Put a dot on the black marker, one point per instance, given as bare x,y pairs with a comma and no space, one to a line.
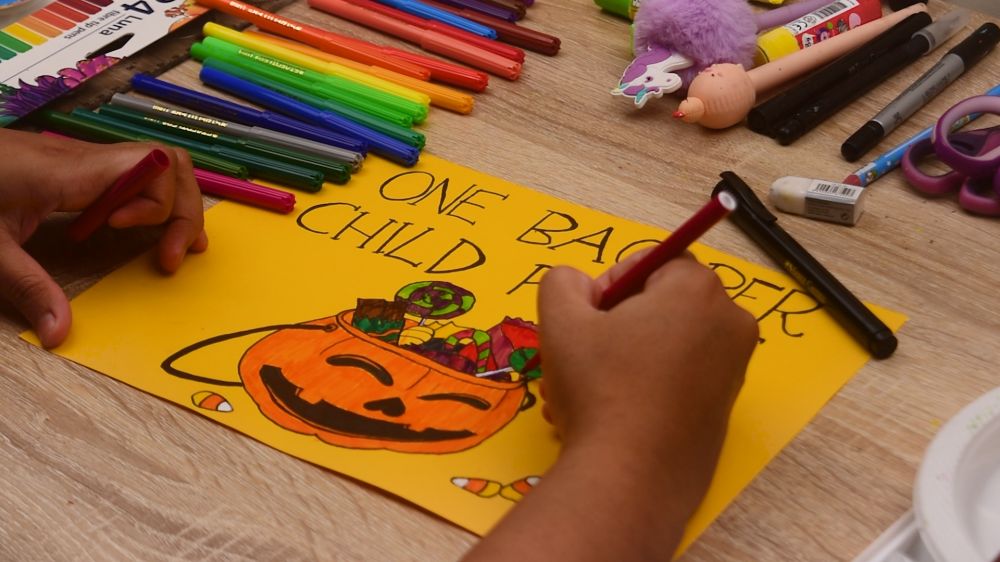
766,117
959,59
922,42
762,227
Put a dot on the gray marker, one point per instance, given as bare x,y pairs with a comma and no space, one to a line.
952,65
174,113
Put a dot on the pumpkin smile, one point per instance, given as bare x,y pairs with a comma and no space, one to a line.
328,417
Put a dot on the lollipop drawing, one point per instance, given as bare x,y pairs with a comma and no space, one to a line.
345,379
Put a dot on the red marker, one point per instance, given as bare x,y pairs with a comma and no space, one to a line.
673,246
429,40
126,187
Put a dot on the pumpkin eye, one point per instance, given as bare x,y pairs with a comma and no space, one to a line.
363,363
467,399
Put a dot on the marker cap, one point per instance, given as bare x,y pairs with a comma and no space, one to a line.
863,140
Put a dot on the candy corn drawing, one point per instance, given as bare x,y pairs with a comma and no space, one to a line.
488,488
211,401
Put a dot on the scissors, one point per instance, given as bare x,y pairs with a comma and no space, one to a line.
973,156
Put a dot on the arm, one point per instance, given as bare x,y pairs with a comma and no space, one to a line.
41,175
640,396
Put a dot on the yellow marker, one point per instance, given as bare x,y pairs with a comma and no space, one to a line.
24,34
441,96
479,486
312,63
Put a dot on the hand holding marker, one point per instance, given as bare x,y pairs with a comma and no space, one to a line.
721,204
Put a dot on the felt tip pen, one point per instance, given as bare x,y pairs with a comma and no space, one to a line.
330,42
348,92
357,72
952,65
440,96
73,126
506,13
124,189
765,118
508,32
873,74
425,11
248,61
224,109
762,227
261,167
181,115
226,187
484,43
634,279
427,39
243,191
380,144
413,138
336,172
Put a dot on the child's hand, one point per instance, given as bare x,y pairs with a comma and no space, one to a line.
659,370
40,175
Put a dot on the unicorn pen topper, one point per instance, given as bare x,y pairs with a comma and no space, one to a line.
677,39
723,94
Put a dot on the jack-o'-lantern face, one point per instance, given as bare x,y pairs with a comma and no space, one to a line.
328,379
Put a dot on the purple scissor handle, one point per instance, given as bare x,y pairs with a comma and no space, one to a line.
973,156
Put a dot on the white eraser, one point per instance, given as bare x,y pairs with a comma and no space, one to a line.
818,199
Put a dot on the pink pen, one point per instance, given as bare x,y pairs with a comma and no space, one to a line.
243,191
218,185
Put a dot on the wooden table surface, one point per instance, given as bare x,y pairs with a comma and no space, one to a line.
94,469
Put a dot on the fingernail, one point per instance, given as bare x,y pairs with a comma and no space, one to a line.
46,329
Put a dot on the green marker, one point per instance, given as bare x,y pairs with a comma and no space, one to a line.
261,167
336,172
99,132
358,96
623,8
280,83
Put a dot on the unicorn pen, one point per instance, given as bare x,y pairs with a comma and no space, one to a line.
677,39
723,94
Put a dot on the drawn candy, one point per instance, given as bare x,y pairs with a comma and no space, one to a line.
435,299
478,486
518,488
380,318
211,401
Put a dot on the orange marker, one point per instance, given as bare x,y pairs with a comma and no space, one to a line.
328,41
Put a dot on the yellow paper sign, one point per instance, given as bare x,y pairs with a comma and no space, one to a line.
376,331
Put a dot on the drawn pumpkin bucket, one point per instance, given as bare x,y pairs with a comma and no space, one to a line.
329,379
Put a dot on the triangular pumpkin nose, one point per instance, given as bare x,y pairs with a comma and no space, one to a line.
393,407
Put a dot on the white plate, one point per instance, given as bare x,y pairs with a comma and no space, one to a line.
956,499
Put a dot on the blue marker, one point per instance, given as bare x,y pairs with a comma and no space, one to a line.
230,111
888,161
378,143
418,8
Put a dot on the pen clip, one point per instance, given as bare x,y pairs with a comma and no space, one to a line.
748,200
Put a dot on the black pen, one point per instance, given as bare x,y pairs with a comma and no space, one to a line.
816,111
766,117
953,64
762,227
